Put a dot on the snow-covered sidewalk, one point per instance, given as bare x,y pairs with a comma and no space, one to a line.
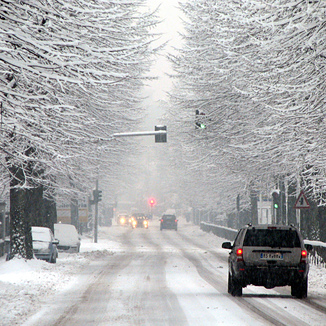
24,285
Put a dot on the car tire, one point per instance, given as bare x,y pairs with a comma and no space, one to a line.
300,289
236,288
230,285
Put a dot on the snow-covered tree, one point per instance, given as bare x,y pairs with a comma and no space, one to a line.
256,69
70,75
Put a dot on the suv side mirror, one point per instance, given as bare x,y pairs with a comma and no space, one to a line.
227,245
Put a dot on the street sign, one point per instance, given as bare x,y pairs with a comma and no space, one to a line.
302,201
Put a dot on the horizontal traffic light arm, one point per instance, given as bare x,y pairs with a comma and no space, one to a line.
132,134
140,133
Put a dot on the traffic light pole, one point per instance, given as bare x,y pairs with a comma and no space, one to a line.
160,134
96,216
140,133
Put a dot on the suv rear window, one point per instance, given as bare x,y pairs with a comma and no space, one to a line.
168,217
271,238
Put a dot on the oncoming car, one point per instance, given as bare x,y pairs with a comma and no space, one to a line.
44,244
139,221
123,219
269,256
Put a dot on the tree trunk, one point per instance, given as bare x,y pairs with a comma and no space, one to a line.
35,207
254,207
50,213
322,223
20,226
74,213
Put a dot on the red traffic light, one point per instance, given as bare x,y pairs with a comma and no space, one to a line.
151,201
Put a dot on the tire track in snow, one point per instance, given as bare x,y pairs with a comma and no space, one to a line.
308,301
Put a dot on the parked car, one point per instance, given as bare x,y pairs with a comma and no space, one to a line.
44,244
69,239
169,221
269,256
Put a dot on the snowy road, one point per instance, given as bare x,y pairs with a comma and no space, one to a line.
155,277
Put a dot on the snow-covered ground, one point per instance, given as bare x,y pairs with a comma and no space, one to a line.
25,285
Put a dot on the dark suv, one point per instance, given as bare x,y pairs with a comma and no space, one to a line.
169,222
269,256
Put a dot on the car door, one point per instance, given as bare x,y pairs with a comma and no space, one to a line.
233,253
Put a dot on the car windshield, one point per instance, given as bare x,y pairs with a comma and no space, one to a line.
271,238
139,215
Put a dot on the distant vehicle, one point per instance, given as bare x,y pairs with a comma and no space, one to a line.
139,220
269,256
123,219
169,222
44,244
69,239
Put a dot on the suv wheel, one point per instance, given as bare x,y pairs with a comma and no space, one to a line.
234,287
230,285
300,289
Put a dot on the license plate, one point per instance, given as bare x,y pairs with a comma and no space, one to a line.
271,255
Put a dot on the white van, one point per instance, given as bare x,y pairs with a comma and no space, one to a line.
69,239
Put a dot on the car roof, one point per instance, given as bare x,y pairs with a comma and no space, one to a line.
40,229
64,226
270,227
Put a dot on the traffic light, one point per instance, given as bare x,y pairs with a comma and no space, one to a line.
200,120
99,196
151,202
160,138
276,198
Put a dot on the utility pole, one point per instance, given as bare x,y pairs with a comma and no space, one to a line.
96,214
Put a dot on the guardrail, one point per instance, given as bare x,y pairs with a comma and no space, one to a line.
220,231
317,255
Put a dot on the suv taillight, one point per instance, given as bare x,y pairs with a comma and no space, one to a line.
240,254
304,255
